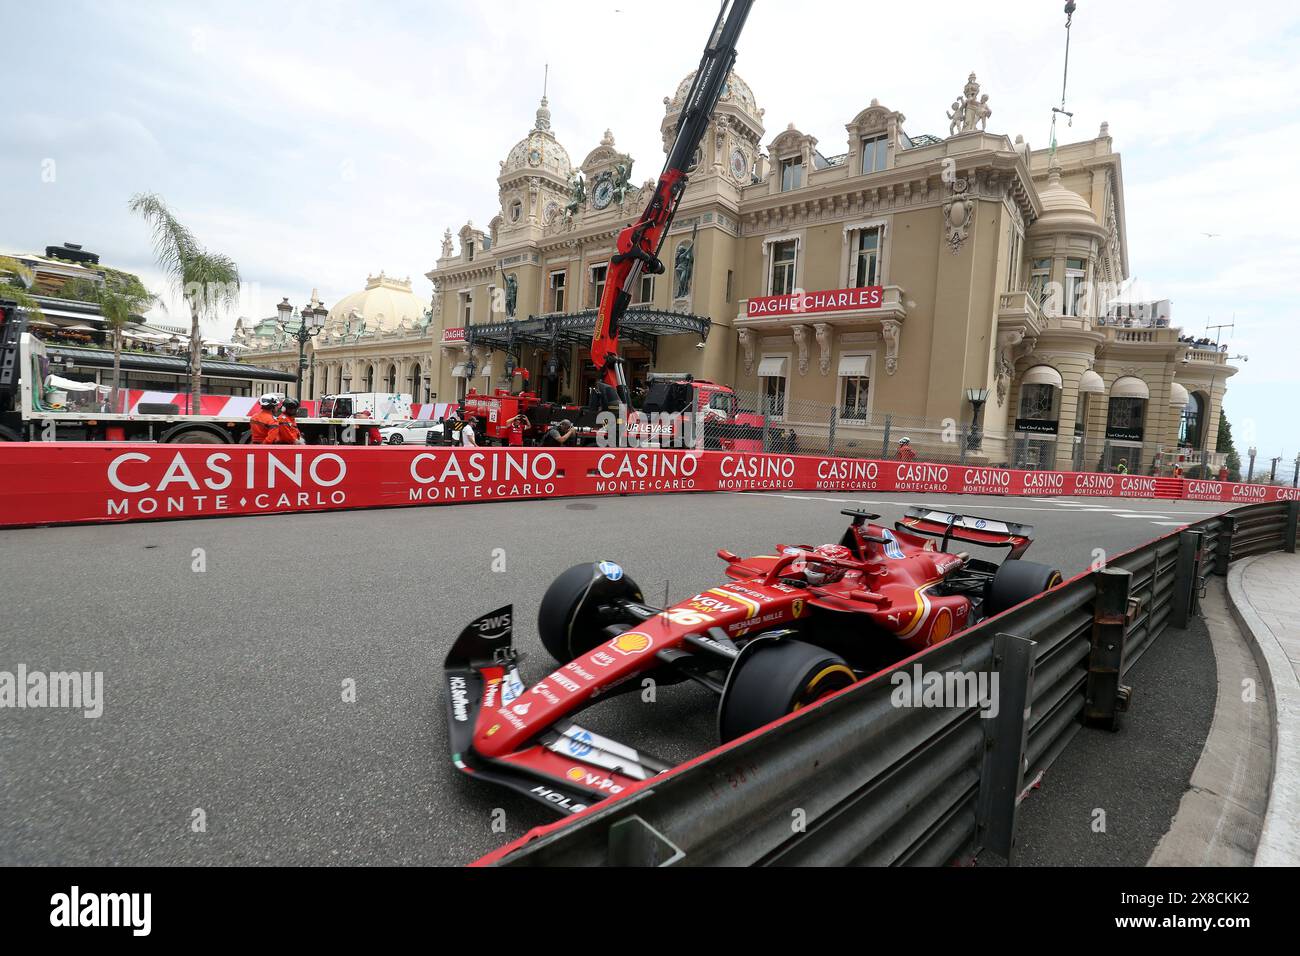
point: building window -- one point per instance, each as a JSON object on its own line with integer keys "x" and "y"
{"x": 730, "y": 279}
{"x": 466, "y": 307}
{"x": 1127, "y": 414}
{"x": 1039, "y": 278}
{"x": 469, "y": 250}
{"x": 791, "y": 174}
{"x": 866, "y": 258}
{"x": 390, "y": 383}
{"x": 853, "y": 400}
{"x": 598, "y": 274}
{"x": 516, "y": 210}
{"x": 1075, "y": 286}
{"x": 557, "y": 291}
{"x": 1013, "y": 260}
{"x": 1038, "y": 402}
{"x": 873, "y": 154}
{"x": 784, "y": 256}
{"x": 646, "y": 289}
{"x": 774, "y": 395}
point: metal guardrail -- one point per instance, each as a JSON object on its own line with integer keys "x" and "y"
{"x": 860, "y": 779}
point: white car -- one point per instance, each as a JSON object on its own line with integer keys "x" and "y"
{"x": 409, "y": 433}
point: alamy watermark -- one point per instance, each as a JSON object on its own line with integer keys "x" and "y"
{"x": 73, "y": 690}
{"x": 947, "y": 689}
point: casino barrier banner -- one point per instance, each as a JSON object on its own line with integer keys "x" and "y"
{"x": 44, "y": 483}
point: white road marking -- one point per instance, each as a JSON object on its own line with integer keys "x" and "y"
{"x": 1171, "y": 523}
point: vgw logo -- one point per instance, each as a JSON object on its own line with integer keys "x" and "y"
{"x": 103, "y": 909}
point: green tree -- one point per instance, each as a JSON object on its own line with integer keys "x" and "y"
{"x": 15, "y": 280}
{"x": 122, "y": 298}
{"x": 207, "y": 280}
{"x": 1223, "y": 443}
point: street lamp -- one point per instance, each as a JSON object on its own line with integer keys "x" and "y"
{"x": 1250, "y": 474}
{"x": 977, "y": 397}
{"x": 309, "y": 326}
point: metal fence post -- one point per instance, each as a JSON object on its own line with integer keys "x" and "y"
{"x": 1005, "y": 738}
{"x": 962, "y": 439}
{"x": 767, "y": 405}
{"x": 1186, "y": 578}
{"x": 1292, "y": 521}
{"x": 1223, "y": 546}
{"x": 830, "y": 440}
{"x": 884, "y": 443}
{"x": 1105, "y": 697}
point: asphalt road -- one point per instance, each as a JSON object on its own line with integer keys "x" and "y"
{"x": 224, "y": 688}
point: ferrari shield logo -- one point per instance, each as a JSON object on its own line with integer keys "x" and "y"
{"x": 796, "y": 608}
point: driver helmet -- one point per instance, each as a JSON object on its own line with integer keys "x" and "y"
{"x": 819, "y": 574}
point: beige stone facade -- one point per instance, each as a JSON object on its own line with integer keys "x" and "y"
{"x": 995, "y": 267}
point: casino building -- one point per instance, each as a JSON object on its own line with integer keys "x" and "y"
{"x": 955, "y": 289}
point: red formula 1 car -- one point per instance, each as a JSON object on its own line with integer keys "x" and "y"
{"x": 787, "y": 629}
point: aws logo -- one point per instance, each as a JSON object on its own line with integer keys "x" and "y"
{"x": 494, "y": 626}
{"x": 630, "y": 642}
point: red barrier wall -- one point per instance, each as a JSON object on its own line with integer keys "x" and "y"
{"x": 72, "y": 482}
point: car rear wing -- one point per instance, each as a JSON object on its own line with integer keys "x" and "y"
{"x": 970, "y": 529}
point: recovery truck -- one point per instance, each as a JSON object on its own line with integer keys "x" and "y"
{"x": 662, "y": 420}
{"x": 25, "y": 414}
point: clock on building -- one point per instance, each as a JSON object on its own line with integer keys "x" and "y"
{"x": 534, "y": 157}
{"x": 603, "y": 191}
{"x": 552, "y": 210}
{"x": 739, "y": 165}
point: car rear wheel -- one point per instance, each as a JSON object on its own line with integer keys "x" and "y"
{"x": 395, "y": 439}
{"x": 778, "y": 677}
{"x": 1017, "y": 581}
{"x": 570, "y": 621}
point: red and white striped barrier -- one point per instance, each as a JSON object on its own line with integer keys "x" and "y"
{"x": 238, "y": 406}
{"x": 74, "y": 482}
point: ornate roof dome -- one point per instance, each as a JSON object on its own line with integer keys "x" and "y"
{"x": 539, "y": 150}
{"x": 735, "y": 92}
{"x": 384, "y": 305}
{"x": 1062, "y": 204}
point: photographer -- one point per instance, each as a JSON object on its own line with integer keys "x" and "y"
{"x": 561, "y": 435}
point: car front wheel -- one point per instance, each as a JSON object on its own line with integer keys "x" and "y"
{"x": 395, "y": 439}
{"x": 777, "y": 677}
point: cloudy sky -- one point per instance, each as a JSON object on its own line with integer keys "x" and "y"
{"x": 318, "y": 142}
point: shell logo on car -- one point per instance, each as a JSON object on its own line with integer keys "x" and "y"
{"x": 630, "y": 642}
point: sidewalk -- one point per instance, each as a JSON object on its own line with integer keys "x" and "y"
{"x": 1264, "y": 594}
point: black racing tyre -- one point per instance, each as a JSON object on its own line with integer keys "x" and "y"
{"x": 569, "y": 621}
{"x": 1016, "y": 581}
{"x": 777, "y": 677}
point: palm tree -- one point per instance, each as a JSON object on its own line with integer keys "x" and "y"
{"x": 120, "y": 302}
{"x": 207, "y": 280}
{"x": 15, "y": 288}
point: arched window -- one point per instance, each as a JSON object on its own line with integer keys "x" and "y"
{"x": 370, "y": 378}
{"x": 415, "y": 383}
{"x": 1193, "y": 421}
{"x": 390, "y": 383}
